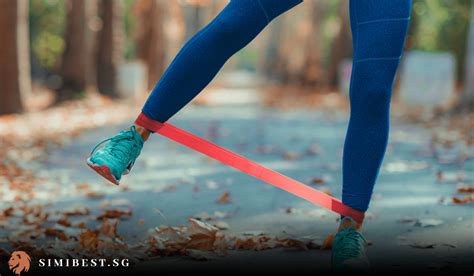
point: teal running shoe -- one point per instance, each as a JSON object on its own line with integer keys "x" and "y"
{"x": 118, "y": 156}
{"x": 348, "y": 248}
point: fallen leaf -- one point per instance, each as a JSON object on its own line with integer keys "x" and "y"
{"x": 201, "y": 227}
{"x": 423, "y": 245}
{"x": 109, "y": 228}
{"x": 327, "y": 243}
{"x": 464, "y": 200}
{"x": 115, "y": 213}
{"x": 257, "y": 243}
{"x": 318, "y": 180}
{"x": 466, "y": 189}
{"x": 76, "y": 210}
{"x": 95, "y": 195}
{"x": 64, "y": 221}
{"x": 8, "y": 212}
{"x": 202, "y": 235}
{"x": 428, "y": 222}
{"x": 222, "y": 225}
{"x": 224, "y": 198}
{"x": 82, "y": 225}
{"x": 56, "y": 233}
{"x": 295, "y": 243}
{"x": 83, "y": 186}
{"x": 89, "y": 240}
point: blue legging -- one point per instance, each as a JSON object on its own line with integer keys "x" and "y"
{"x": 379, "y": 29}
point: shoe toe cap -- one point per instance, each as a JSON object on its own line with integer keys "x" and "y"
{"x": 100, "y": 160}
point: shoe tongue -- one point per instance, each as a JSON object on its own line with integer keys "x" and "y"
{"x": 134, "y": 133}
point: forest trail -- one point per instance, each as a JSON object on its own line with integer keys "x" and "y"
{"x": 411, "y": 211}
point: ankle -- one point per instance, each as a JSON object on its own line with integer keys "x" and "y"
{"x": 344, "y": 224}
{"x": 144, "y": 133}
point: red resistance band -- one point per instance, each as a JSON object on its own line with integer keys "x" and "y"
{"x": 249, "y": 167}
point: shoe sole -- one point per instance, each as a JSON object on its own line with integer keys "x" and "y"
{"x": 104, "y": 171}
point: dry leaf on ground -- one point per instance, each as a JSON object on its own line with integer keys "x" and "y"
{"x": 327, "y": 243}
{"x": 466, "y": 189}
{"x": 464, "y": 200}
{"x": 115, "y": 213}
{"x": 224, "y": 198}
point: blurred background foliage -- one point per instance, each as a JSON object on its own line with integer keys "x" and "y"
{"x": 439, "y": 25}
{"x": 77, "y": 46}
{"x": 47, "y": 19}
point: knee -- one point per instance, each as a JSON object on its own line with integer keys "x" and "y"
{"x": 371, "y": 87}
{"x": 379, "y": 101}
{"x": 227, "y": 29}
{"x": 375, "y": 101}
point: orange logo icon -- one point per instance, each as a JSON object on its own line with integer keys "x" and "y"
{"x": 19, "y": 262}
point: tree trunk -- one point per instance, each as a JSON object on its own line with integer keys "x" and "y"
{"x": 79, "y": 69}
{"x": 312, "y": 71}
{"x": 151, "y": 38}
{"x": 341, "y": 47}
{"x": 15, "y": 78}
{"x": 274, "y": 63}
{"x": 195, "y": 15}
{"x": 468, "y": 95}
{"x": 110, "y": 52}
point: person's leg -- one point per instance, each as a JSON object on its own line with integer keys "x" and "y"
{"x": 192, "y": 69}
{"x": 379, "y": 29}
{"x": 202, "y": 57}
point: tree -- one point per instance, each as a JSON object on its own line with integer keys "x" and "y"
{"x": 78, "y": 68}
{"x": 14, "y": 57}
{"x": 151, "y": 37}
{"x": 468, "y": 95}
{"x": 441, "y": 26}
{"x": 341, "y": 47}
{"x": 311, "y": 73}
{"x": 274, "y": 64}
{"x": 111, "y": 46}
{"x": 195, "y": 15}
{"x": 294, "y": 47}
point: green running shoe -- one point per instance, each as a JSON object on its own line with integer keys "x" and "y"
{"x": 348, "y": 248}
{"x": 118, "y": 156}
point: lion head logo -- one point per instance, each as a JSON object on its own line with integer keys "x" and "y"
{"x": 19, "y": 262}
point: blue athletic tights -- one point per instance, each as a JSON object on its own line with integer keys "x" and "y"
{"x": 378, "y": 28}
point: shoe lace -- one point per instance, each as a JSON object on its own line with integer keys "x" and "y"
{"x": 352, "y": 246}
{"x": 121, "y": 151}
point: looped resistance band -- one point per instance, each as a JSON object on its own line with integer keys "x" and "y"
{"x": 249, "y": 167}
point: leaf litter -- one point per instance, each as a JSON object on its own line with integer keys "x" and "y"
{"x": 200, "y": 236}
{"x": 66, "y": 237}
